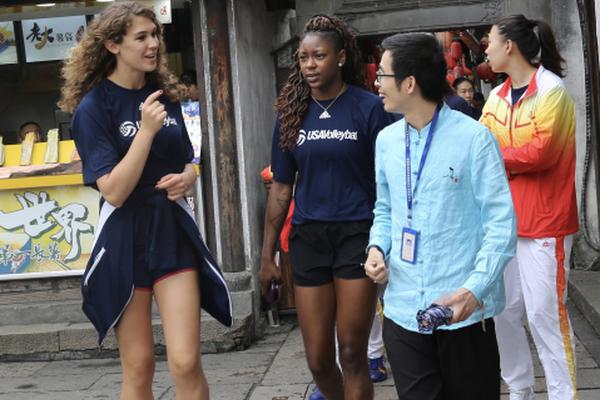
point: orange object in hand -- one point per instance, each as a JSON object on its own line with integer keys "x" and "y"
{"x": 266, "y": 174}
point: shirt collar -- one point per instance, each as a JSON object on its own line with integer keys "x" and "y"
{"x": 504, "y": 91}
{"x": 425, "y": 130}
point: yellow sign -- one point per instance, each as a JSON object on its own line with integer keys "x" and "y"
{"x": 46, "y": 231}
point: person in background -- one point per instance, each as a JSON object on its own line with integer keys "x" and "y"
{"x": 464, "y": 88}
{"x": 533, "y": 119}
{"x": 323, "y": 142}
{"x": 444, "y": 218}
{"x": 461, "y": 97}
{"x": 189, "y": 79}
{"x": 30, "y": 126}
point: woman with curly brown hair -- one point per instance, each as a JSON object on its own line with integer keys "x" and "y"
{"x": 135, "y": 150}
{"x": 324, "y": 143}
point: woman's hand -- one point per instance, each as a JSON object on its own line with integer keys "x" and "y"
{"x": 177, "y": 184}
{"x": 153, "y": 114}
{"x": 268, "y": 272}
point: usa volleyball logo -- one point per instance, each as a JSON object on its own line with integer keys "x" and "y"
{"x": 128, "y": 129}
{"x": 301, "y": 138}
{"x": 326, "y": 134}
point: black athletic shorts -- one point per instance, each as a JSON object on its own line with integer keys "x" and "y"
{"x": 185, "y": 258}
{"x": 320, "y": 251}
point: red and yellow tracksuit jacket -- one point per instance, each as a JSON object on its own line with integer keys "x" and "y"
{"x": 537, "y": 140}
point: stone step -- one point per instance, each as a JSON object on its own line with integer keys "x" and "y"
{"x": 58, "y": 329}
{"x": 584, "y": 292}
{"x": 48, "y": 312}
{"x": 39, "y": 302}
{"x": 63, "y": 341}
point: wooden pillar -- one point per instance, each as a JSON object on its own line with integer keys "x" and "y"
{"x": 592, "y": 69}
{"x": 219, "y": 165}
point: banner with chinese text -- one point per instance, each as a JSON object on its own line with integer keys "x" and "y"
{"x": 46, "y": 231}
{"x": 48, "y": 39}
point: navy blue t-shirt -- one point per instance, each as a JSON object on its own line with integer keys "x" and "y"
{"x": 334, "y": 159}
{"x": 105, "y": 123}
{"x": 517, "y": 93}
{"x": 457, "y": 103}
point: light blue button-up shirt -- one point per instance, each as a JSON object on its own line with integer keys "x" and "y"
{"x": 463, "y": 211}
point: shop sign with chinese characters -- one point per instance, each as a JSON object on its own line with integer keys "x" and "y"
{"x": 48, "y": 39}
{"x": 47, "y": 231}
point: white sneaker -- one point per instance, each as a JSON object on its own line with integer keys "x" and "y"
{"x": 523, "y": 394}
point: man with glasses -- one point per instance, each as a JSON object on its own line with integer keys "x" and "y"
{"x": 444, "y": 218}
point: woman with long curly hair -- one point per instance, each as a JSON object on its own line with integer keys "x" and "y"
{"x": 323, "y": 142}
{"x": 135, "y": 150}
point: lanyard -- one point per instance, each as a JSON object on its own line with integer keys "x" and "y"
{"x": 409, "y": 189}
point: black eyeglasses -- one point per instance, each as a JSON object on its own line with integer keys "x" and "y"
{"x": 379, "y": 75}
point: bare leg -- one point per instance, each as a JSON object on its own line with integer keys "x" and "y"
{"x": 316, "y": 315}
{"x": 178, "y": 299}
{"x": 355, "y": 308}
{"x": 136, "y": 347}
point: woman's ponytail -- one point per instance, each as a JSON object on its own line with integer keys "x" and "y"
{"x": 550, "y": 56}
{"x": 535, "y": 41}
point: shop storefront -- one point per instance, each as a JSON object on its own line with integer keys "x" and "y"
{"x": 48, "y": 218}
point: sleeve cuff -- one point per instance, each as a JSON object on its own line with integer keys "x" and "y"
{"x": 376, "y": 247}
{"x": 478, "y": 289}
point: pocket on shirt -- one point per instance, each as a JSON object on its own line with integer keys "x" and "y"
{"x": 450, "y": 180}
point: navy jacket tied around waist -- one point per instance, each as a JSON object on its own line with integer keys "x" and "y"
{"x": 107, "y": 284}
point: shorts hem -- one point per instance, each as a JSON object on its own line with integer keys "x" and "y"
{"x": 179, "y": 271}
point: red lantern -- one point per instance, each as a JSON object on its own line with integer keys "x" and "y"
{"x": 484, "y": 71}
{"x": 456, "y": 50}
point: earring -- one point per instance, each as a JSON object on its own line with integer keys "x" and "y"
{"x": 340, "y": 65}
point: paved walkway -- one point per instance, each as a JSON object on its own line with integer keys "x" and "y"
{"x": 272, "y": 369}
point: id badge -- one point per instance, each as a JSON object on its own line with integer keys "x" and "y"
{"x": 408, "y": 251}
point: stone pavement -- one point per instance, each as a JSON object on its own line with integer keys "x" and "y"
{"x": 272, "y": 368}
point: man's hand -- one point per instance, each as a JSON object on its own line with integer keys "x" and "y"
{"x": 462, "y": 302}
{"x": 375, "y": 267}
